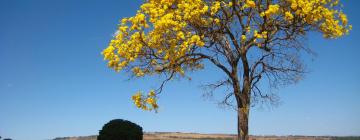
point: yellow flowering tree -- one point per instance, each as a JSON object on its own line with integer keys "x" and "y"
{"x": 251, "y": 41}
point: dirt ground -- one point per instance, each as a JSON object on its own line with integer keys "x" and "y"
{"x": 196, "y": 136}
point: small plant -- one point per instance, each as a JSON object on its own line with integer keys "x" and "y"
{"x": 119, "y": 129}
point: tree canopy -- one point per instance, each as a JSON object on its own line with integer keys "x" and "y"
{"x": 171, "y": 37}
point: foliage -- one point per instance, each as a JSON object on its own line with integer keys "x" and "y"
{"x": 119, "y": 129}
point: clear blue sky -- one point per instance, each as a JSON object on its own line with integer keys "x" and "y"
{"x": 54, "y": 82}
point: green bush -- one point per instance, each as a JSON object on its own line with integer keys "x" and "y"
{"x": 119, "y": 129}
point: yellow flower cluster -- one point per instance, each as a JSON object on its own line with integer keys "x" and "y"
{"x": 324, "y": 14}
{"x": 249, "y": 3}
{"x": 170, "y": 22}
{"x": 273, "y": 9}
{"x": 289, "y": 16}
{"x": 138, "y": 72}
{"x": 261, "y": 35}
{"x": 147, "y": 102}
{"x": 169, "y": 25}
{"x": 215, "y": 7}
{"x": 243, "y": 38}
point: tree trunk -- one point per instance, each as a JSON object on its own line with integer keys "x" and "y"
{"x": 243, "y": 121}
{"x": 242, "y": 96}
{"x": 243, "y": 110}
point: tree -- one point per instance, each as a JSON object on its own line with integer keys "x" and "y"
{"x": 254, "y": 42}
{"x": 119, "y": 129}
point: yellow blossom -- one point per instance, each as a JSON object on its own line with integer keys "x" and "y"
{"x": 230, "y": 4}
{"x": 273, "y": 9}
{"x": 249, "y": 3}
{"x": 138, "y": 72}
{"x": 215, "y": 8}
{"x": 145, "y": 102}
{"x": 243, "y": 37}
{"x": 288, "y": 16}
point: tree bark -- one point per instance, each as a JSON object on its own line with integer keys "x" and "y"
{"x": 243, "y": 110}
{"x": 242, "y": 95}
{"x": 243, "y": 120}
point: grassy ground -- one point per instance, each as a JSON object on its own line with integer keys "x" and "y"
{"x": 196, "y": 136}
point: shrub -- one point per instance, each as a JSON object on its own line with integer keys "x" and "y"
{"x": 119, "y": 129}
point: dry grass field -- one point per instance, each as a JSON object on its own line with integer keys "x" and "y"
{"x": 196, "y": 136}
{"x": 186, "y": 136}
